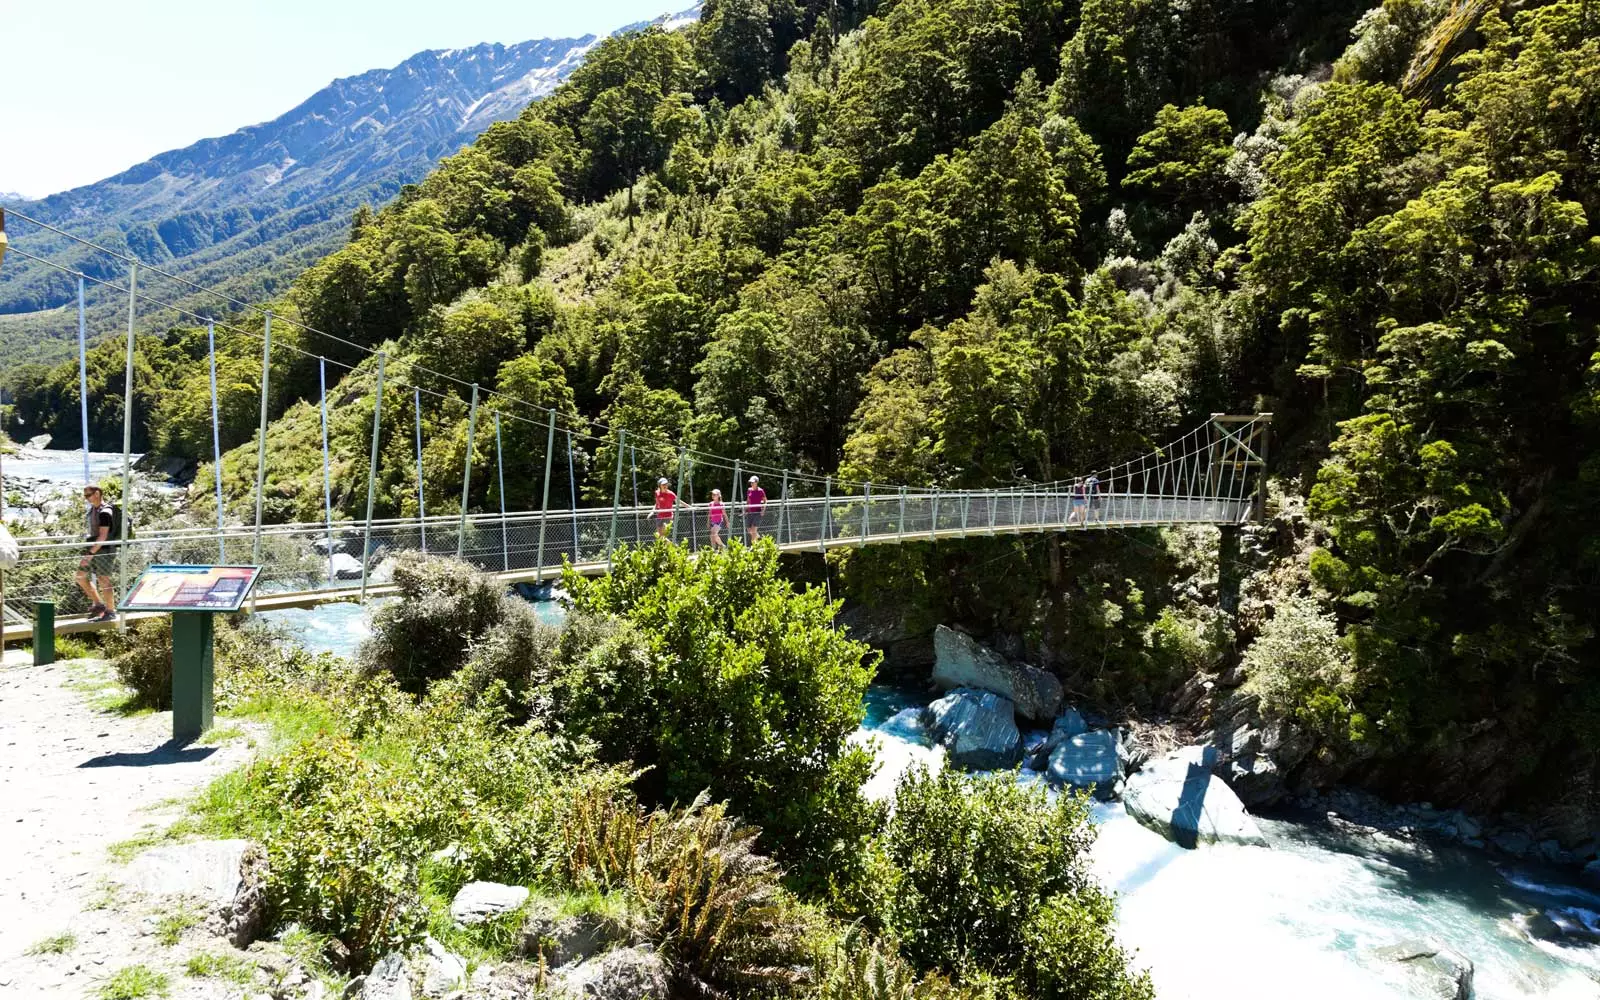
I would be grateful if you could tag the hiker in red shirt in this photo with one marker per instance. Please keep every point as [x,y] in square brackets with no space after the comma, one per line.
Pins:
[666,501]
[755,505]
[716,519]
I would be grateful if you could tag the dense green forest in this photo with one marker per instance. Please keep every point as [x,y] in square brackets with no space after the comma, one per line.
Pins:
[988,241]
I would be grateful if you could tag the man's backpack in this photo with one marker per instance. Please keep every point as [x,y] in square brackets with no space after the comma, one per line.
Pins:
[117,517]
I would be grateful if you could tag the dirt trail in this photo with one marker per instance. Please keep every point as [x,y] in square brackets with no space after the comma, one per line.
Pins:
[75,779]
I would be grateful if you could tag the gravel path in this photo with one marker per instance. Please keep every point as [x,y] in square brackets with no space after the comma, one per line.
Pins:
[75,779]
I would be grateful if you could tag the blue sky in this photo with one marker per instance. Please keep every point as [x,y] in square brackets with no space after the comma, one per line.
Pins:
[91,87]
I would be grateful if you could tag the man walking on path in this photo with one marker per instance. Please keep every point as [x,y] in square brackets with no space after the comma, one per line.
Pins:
[1091,486]
[98,559]
[755,504]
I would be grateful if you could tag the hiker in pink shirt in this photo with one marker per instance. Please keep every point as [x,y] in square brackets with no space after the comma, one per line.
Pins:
[718,517]
[755,506]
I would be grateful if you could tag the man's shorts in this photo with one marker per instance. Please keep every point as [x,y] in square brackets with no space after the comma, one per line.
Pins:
[102,563]
[755,518]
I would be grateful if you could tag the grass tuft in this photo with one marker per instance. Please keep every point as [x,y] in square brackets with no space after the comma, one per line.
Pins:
[216,965]
[134,982]
[56,944]
[171,925]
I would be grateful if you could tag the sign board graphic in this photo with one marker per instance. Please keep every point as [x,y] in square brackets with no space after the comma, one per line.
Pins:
[191,588]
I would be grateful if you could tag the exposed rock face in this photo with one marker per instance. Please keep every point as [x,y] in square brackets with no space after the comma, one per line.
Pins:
[388,980]
[620,974]
[442,970]
[345,567]
[1431,969]
[560,940]
[1087,760]
[977,728]
[1178,797]
[960,661]
[208,869]
[479,901]
[246,914]
[907,652]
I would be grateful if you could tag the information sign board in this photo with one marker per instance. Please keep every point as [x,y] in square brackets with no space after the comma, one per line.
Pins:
[191,588]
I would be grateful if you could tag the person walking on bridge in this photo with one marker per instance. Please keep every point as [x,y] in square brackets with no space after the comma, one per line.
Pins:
[1080,502]
[755,506]
[717,517]
[1091,489]
[98,562]
[666,505]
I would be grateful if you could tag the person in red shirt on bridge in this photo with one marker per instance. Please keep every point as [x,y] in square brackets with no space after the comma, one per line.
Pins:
[755,507]
[666,503]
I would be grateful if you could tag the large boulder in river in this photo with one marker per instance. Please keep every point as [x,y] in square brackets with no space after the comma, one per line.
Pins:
[1178,797]
[960,661]
[977,728]
[1089,761]
[1430,969]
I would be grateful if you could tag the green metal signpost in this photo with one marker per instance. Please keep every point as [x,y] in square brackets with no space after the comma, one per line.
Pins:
[193,595]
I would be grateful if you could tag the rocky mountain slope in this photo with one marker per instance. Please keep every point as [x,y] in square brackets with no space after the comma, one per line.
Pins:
[247,211]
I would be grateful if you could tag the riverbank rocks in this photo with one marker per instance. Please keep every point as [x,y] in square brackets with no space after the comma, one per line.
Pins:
[480,901]
[620,974]
[1178,797]
[1088,761]
[558,938]
[442,971]
[978,729]
[1430,969]
[208,869]
[388,980]
[959,661]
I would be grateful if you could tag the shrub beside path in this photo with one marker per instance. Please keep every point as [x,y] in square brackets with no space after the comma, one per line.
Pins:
[78,778]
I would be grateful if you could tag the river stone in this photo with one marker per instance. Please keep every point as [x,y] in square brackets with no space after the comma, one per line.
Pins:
[619,974]
[1067,725]
[209,869]
[960,661]
[388,980]
[478,901]
[1591,873]
[977,728]
[1087,760]
[1537,926]
[345,566]
[1435,971]
[1178,797]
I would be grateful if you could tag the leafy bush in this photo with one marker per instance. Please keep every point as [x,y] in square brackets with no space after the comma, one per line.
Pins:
[1069,952]
[142,657]
[444,606]
[985,875]
[748,690]
[1299,668]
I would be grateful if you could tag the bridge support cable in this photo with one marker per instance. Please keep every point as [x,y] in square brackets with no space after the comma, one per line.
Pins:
[422,504]
[216,438]
[544,503]
[500,476]
[372,475]
[616,494]
[83,384]
[261,439]
[127,443]
[327,473]
[783,509]
[572,486]
[466,471]
[633,467]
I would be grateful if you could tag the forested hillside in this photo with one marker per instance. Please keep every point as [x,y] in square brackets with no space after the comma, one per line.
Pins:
[965,242]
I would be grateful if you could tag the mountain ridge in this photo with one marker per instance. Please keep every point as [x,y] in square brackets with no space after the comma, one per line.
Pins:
[246,210]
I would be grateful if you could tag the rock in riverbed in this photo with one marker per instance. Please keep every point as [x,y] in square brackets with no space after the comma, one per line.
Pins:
[962,662]
[977,728]
[1178,797]
[1432,970]
[1087,760]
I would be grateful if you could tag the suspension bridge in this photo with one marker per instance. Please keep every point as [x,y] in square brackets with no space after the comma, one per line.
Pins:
[1211,475]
